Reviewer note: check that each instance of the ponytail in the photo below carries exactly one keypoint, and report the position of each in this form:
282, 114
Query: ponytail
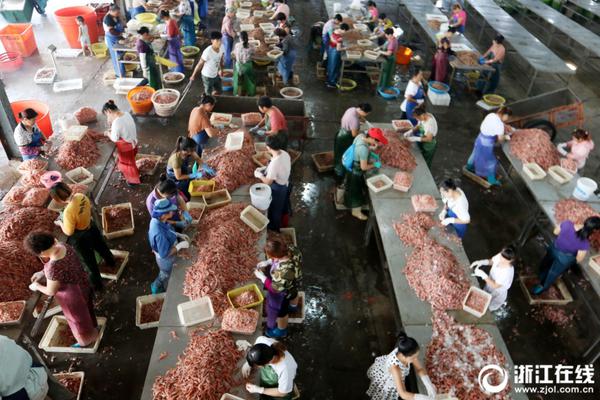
28, 113
406, 345
244, 37
109, 106
581, 134
166, 186
184, 143
591, 225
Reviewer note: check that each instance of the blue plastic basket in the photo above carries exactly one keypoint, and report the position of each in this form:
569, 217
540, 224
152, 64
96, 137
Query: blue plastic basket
438, 91
389, 96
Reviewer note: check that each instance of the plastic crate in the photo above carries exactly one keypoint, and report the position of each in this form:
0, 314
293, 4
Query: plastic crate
291, 233
259, 158
437, 99
121, 232
387, 183
196, 311
118, 254
58, 323
200, 182
74, 374
48, 80
254, 219
192, 205
154, 157
483, 293
237, 291
318, 159
217, 198
77, 172
19, 318
140, 301
559, 174
534, 171
234, 141
595, 263
220, 119
18, 38
76, 133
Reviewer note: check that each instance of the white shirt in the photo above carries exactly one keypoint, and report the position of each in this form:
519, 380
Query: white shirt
411, 90
279, 168
430, 126
285, 369
22, 136
492, 125
212, 61
460, 206
138, 3
123, 127
283, 8
16, 372
501, 275
184, 8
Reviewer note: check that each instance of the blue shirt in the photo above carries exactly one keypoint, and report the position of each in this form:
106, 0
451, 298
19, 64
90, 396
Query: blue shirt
161, 236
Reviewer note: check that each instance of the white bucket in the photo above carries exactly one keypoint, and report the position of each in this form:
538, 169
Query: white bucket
584, 189
260, 196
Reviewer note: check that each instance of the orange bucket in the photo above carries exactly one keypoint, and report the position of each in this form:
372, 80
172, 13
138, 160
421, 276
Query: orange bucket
18, 38
43, 120
141, 106
66, 18
403, 55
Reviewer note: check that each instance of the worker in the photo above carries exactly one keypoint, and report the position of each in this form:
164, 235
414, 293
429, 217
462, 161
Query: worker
414, 95
349, 129
281, 6
203, 13
113, 29
164, 242
282, 22
199, 127
285, 63
328, 29
185, 12
494, 57
383, 23
458, 20
373, 14
388, 373
167, 189
456, 208
123, 132
280, 275
441, 61
389, 49
173, 40
578, 148
180, 164
28, 136
150, 69
228, 35
211, 63
273, 120
500, 277
482, 161
67, 281
424, 134
277, 176
362, 161
138, 7
244, 81
277, 369
334, 55
20, 377
570, 247
81, 230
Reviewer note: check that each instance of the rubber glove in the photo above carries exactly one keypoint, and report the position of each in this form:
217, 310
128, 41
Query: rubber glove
261, 132
38, 276
183, 237
243, 345
442, 214
181, 224
262, 264
414, 139
258, 173
195, 175
260, 275
562, 149
254, 389
478, 272
407, 134
448, 221
33, 286
187, 216
377, 164
480, 263
208, 170
182, 245
254, 129
431, 391
246, 368
375, 156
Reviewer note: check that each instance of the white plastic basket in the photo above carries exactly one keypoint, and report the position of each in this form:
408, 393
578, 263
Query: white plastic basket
234, 141
254, 219
387, 183
477, 313
75, 132
45, 76
196, 311
165, 109
559, 174
534, 171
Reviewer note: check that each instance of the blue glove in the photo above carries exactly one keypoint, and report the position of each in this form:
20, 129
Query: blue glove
377, 164
481, 60
187, 216
375, 156
181, 224
195, 175
208, 170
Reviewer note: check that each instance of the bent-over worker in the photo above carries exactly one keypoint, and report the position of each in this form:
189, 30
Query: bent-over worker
390, 47
28, 136
578, 148
145, 51
424, 134
349, 129
20, 377
277, 369
500, 277
414, 96
199, 127
181, 162
280, 274
167, 189
440, 64
494, 57
244, 81
273, 120
67, 281
81, 230
456, 208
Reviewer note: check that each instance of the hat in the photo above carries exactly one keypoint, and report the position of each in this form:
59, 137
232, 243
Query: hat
162, 207
377, 134
230, 10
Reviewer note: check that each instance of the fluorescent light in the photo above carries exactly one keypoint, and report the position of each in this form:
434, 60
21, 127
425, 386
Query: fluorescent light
572, 66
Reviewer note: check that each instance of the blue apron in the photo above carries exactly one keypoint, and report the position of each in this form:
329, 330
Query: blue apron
184, 184
484, 159
460, 229
111, 41
334, 62
203, 9
410, 106
201, 138
280, 205
188, 28
135, 11
228, 45
285, 66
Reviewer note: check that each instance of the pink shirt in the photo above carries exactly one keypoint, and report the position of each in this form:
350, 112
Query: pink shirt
374, 13
283, 8
227, 26
392, 45
460, 16
580, 151
351, 119
499, 52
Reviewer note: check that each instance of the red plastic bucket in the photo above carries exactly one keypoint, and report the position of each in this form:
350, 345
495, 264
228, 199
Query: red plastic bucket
66, 18
10, 61
43, 120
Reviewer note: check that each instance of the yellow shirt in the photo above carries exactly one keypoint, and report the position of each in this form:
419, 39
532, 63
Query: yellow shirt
77, 214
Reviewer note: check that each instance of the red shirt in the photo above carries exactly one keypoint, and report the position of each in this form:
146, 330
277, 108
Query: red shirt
172, 28
335, 39
277, 120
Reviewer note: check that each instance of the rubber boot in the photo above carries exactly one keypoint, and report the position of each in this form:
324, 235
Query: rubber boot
357, 213
492, 180
339, 194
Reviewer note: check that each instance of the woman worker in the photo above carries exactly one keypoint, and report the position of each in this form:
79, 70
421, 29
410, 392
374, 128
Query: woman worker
277, 369
482, 161
373, 14
67, 281
28, 136
113, 29
349, 129
173, 40
199, 127
163, 242
334, 55
456, 208
124, 133
570, 247
185, 11
137, 7
414, 95
244, 80
388, 373
578, 148
167, 189
500, 277
424, 134
458, 20
494, 57
356, 188
273, 120
390, 47
145, 51
181, 162
81, 230
20, 377
228, 35
280, 274
285, 64
277, 175
441, 61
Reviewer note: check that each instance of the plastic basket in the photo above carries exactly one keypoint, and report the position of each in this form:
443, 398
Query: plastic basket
237, 291
199, 182
189, 51
10, 62
100, 50
18, 38
140, 106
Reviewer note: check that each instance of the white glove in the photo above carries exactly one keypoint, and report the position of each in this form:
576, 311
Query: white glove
442, 214
182, 245
254, 389
264, 264
33, 286
260, 275
414, 139
243, 345
448, 221
258, 173
507, 138
479, 263
38, 276
562, 149
145, 72
431, 391
478, 272
246, 369
183, 237
407, 134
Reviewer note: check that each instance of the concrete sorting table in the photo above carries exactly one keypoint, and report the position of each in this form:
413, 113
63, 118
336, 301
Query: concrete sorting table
386, 207
591, 6
539, 57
